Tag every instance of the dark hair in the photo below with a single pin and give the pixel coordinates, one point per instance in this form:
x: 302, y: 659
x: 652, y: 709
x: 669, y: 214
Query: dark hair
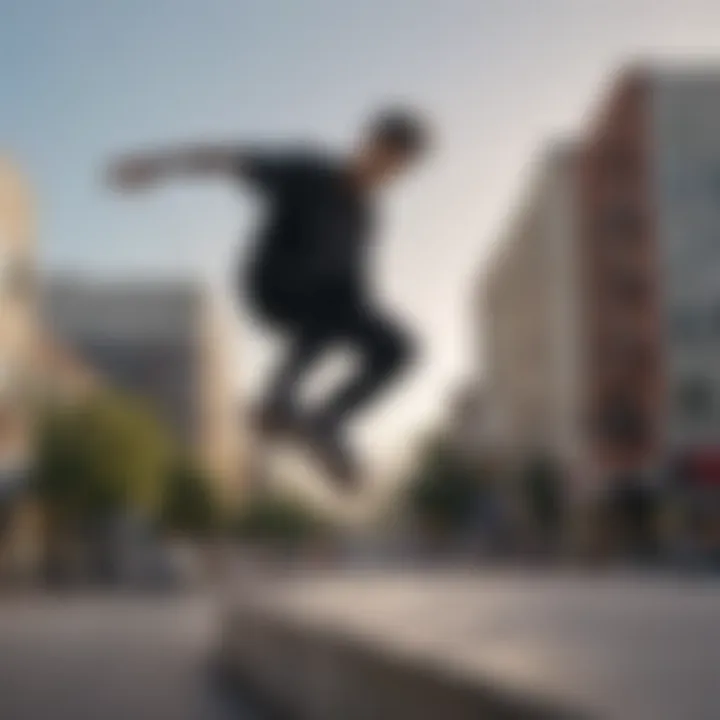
x: 401, y: 130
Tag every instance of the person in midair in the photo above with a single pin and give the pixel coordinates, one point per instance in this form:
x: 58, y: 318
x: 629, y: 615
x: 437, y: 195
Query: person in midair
x: 308, y: 276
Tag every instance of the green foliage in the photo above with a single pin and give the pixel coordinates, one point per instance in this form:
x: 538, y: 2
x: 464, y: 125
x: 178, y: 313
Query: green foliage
x: 101, y: 456
x: 443, y: 491
x: 276, y: 518
x: 189, y: 506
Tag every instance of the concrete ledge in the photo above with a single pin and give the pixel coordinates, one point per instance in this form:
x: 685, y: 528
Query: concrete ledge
x: 453, y: 645
x: 305, y: 671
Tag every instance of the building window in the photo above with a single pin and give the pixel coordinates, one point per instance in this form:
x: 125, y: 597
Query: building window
x: 631, y: 356
x: 697, y: 399
x: 622, y: 422
x: 622, y: 222
x: 622, y: 165
x: 630, y: 288
x: 687, y: 326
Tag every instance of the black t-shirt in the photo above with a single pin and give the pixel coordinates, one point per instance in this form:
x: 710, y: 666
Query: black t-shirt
x: 317, y: 227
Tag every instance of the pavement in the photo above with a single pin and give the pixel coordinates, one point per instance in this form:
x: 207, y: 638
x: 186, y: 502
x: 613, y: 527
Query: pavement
x: 616, y: 647
x: 110, y: 658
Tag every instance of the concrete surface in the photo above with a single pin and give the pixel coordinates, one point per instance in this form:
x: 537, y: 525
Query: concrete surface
x: 109, y: 658
x: 617, y: 648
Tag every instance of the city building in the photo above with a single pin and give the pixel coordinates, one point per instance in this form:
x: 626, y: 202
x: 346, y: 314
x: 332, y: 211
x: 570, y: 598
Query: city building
x: 467, y: 427
x: 18, y: 324
x: 18, y: 332
x: 602, y: 304
x: 528, y: 306
x: 62, y: 377
x: 165, y: 342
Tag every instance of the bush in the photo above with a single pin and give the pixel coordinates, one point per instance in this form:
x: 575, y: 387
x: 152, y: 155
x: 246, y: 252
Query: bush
x: 103, y: 456
x: 279, y: 519
x: 189, y: 506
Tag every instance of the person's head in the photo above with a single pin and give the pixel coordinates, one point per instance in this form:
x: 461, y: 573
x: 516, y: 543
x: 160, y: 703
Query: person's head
x: 392, y: 141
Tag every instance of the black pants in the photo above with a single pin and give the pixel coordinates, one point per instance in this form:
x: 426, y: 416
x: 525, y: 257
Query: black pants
x: 317, y: 320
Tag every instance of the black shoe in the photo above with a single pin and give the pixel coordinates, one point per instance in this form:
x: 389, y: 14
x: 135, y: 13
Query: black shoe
x: 335, y: 458
x: 276, y: 422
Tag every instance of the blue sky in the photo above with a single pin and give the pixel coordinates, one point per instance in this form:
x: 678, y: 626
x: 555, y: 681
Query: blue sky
x: 82, y: 79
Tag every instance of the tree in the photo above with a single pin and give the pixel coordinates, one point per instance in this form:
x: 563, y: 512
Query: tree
x: 444, y: 490
x: 189, y: 506
x: 278, y: 518
x: 105, y: 455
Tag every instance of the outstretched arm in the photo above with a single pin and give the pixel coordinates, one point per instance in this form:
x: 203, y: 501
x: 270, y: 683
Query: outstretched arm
x: 137, y: 171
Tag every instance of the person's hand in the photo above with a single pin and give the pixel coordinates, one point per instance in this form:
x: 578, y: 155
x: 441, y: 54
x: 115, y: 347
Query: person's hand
x: 134, y: 172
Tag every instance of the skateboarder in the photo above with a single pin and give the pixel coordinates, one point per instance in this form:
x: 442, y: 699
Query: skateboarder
x: 308, y: 276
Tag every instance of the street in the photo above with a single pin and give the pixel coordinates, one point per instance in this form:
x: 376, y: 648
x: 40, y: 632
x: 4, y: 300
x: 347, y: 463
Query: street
x: 110, y: 657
